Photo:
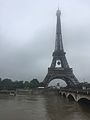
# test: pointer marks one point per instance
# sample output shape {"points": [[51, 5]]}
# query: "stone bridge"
{"points": [[77, 95]]}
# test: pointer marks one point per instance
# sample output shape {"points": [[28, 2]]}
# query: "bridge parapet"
{"points": [[76, 94]]}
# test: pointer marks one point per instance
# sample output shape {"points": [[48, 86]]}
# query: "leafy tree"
{"points": [[26, 84], [34, 83], [15, 85], [41, 84], [7, 84], [20, 84], [0, 83]]}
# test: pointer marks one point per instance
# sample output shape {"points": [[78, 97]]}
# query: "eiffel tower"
{"points": [[59, 68]]}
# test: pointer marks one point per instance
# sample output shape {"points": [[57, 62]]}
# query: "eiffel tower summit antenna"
{"points": [[59, 68], [58, 4]]}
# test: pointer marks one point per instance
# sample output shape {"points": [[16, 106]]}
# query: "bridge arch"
{"points": [[84, 100], [64, 95], [60, 93], [71, 97]]}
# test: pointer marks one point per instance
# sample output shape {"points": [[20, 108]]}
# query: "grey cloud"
{"points": [[27, 37]]}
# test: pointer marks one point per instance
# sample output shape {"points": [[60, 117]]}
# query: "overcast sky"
{"points": [[27, 37]]}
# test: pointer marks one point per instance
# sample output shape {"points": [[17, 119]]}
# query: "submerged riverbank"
{"points": [[36, 91]]}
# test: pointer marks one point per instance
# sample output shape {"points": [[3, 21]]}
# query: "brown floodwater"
{"points": [[41, 107]]}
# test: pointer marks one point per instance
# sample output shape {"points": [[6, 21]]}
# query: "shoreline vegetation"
{"points": [[10, 87], [8, 84]]}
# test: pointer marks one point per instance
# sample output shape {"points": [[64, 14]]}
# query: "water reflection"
{"points": [[41, 107], [61, 108]]}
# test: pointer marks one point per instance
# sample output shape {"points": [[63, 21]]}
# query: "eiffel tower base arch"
{"points": [[61, 73]]}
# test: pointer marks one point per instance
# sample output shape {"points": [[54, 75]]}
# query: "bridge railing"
{"points": [[78, 91]]}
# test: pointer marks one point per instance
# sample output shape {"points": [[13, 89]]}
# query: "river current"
{"points": [[41, 107]]}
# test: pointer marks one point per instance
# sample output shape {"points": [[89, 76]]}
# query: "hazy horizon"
{"points": [[27, 37]]}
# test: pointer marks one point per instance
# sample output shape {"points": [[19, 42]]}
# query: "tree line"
{"points": [[8, 84]]}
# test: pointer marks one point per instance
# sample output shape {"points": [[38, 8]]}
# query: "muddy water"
{"points": [[41, 107]]}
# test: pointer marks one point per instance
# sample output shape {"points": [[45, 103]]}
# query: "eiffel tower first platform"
{"points": [[59, 68]]}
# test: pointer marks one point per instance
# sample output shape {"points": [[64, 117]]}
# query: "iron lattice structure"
{"points": [[59, 67]]}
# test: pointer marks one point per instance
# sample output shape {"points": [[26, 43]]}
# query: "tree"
{"points": [[34, 83], [20, 84], [41, 84], [7, 84], [26, 84], [0, 83]]}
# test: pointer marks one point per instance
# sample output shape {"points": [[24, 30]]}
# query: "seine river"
{"points": [[41, 107]]}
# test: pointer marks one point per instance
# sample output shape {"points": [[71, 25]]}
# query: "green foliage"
{"points": [[26, 84], [41, 84], [34, 83], [8, 84]]}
